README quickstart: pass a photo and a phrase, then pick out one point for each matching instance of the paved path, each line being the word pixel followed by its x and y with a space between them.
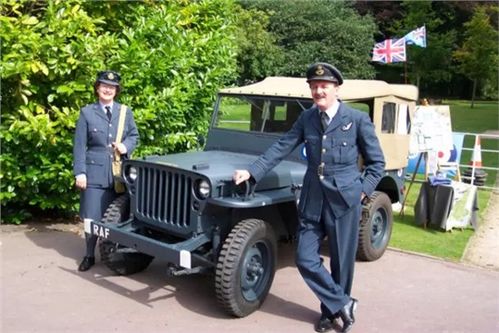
pixel 483 247
pixel 42 292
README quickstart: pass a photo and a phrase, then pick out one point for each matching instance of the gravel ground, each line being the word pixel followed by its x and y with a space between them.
pixel 483 247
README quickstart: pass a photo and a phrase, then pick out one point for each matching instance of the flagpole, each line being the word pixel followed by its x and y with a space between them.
pixel 405 70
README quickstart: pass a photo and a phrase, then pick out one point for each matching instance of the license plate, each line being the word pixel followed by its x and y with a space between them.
pixel 92 228
pixel 100 231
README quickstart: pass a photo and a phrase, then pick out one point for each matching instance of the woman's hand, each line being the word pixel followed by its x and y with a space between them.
pixel 81 182
pixel 120 148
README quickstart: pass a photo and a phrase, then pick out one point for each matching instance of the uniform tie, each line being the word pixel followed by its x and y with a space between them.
pixel 324 120
pixel 108 112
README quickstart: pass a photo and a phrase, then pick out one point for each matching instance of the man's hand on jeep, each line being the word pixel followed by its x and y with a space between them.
pixel 240 176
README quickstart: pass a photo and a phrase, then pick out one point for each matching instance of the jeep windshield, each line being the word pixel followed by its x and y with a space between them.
pixel 263 114
pixel 259 114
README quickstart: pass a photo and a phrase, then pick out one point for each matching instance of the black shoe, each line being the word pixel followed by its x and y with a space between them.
pixel 347 315
pixel 86 263
pixel 325 324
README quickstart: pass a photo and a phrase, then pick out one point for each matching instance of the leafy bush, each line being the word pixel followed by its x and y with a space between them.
pixel 172 57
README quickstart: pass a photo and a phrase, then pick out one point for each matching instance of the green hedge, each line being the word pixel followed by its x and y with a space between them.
pixel 172 57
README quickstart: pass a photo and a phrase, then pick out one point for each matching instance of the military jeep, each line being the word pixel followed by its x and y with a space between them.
pixel 185 209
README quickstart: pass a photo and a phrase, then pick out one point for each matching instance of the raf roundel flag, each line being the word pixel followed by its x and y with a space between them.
pixel 390 50
pixel 417 37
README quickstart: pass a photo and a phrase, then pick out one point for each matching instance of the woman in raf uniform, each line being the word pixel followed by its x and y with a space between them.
pixel 93 151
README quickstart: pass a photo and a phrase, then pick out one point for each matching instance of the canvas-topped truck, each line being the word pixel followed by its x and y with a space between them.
pixel 185 209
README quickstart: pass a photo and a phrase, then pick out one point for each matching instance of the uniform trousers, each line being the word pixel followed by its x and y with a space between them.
pixel 93 205
pixel 332 288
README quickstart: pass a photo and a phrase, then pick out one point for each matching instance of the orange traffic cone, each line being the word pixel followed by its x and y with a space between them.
pixel 474 174
pixel 476 159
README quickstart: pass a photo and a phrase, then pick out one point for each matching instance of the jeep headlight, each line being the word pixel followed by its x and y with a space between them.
pixel 131 174
pixel 203 189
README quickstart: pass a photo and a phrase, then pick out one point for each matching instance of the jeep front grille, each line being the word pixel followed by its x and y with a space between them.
pixel 164 196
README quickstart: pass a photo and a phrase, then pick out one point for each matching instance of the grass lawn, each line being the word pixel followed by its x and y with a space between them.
pixel 406 234
pixel 482 118
pixel 409 236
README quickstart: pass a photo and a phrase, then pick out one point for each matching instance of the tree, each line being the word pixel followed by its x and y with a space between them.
pixel 172 56
pixel 383 12
pixel 320 30
pixel 478 55
pixel 433 68
pixel 49 52
pixel 258 55
pixel 430 64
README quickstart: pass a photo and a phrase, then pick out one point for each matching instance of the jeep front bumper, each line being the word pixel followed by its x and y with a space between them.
pixel 180 254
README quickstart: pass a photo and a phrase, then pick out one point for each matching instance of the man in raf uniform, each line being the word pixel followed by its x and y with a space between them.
pixel 334 188
pixel 93 151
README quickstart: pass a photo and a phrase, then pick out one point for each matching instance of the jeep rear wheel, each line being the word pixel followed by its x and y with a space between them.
pixel 120 259
pixel 246 267
pixel 375 227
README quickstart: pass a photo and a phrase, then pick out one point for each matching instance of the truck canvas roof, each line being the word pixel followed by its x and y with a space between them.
pixel 351 90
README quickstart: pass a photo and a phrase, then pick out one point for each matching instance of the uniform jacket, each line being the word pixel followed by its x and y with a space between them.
pixel 92 150
pixel 336 152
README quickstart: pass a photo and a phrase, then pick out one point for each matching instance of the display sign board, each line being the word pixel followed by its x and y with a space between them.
pixel 464 206
pixel 432 134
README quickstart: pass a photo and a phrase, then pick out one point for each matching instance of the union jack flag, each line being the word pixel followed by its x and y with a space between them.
pixel 417 37
pixel 390 50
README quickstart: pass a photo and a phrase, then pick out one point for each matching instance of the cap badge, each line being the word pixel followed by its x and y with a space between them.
pixel 319 70
pixel 110 76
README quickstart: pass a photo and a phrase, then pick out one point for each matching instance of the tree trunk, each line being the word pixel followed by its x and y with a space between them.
pixel 473 94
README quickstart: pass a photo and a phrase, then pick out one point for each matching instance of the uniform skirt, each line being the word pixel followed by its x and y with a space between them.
pixel 94 202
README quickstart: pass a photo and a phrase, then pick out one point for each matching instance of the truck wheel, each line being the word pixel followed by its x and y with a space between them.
pixel 120 259
pixel 375 227
pixel 246 267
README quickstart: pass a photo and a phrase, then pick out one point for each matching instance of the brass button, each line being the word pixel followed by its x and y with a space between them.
pixel 323 150
pixel 344 143
pixel 324 137
pixel 321 177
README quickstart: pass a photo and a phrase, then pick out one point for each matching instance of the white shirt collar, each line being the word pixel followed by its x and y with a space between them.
pixel 102 106
pixel 332 110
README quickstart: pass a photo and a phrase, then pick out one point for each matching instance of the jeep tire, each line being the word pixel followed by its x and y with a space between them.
pixel 120 259
pixel 375 227
pixel 246 267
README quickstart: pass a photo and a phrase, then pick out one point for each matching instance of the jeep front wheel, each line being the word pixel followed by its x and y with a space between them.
pixel 375 227
pixel 120 259
pixel 246 267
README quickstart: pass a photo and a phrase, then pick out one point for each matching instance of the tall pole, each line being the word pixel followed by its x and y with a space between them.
pixel 405 71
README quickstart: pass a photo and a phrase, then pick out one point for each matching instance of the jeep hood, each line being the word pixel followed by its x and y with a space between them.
pixel 220 165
